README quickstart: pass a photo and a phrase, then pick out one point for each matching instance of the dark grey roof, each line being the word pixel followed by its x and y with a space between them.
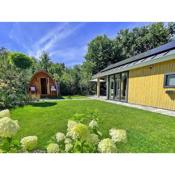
pixel 156 58
pixel 149 53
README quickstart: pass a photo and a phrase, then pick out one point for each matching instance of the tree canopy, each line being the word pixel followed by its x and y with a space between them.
pixel 45 61
pixel 21 60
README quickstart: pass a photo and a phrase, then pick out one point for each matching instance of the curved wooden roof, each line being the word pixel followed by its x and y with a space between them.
pixel 42 71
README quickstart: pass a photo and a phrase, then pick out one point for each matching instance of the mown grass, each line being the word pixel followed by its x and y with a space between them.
pixel 74 97
pixel 147 131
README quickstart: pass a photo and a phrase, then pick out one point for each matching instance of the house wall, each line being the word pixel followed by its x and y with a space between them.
pixel 146 86
pixel 36 82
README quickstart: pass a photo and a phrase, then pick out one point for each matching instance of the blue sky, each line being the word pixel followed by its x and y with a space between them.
pixel 65 42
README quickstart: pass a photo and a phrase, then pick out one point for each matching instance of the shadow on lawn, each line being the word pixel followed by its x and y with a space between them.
pixel 43 104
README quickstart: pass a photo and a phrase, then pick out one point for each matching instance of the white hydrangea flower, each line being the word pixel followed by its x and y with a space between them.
pixel 4 113
pixel 71 124
pixel 93 124
pixel 68 147
pixel 8 127
pixel 79 131
pixel 53 148
pixel 29 143
pixel 67 140
pixel 93 139
pixel 107 146
pixel 60 137
pixel 118 135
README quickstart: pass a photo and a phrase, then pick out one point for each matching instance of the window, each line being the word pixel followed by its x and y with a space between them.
pixel 169 80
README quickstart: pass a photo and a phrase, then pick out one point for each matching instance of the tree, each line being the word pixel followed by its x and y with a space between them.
pixel 45 61
pixel 100 52
pixel 57 70
pixel 139 40
pixel 35 65
pixel 70 81
pixel 21 60
pixel 86 87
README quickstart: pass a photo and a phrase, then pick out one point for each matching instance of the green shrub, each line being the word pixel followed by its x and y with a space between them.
pixel 13 84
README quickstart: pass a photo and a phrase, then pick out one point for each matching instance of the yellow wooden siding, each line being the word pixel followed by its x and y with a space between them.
pixel 146 86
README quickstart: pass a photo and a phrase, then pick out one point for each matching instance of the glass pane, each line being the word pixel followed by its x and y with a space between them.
pixel 124 84
pixel 117 86
pixel 171 80
pixel 111 86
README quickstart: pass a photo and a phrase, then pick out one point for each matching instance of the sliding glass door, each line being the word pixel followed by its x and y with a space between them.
pixel 118 86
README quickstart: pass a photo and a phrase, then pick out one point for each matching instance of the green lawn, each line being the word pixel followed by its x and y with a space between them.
pixel 74 97
pixel 147 132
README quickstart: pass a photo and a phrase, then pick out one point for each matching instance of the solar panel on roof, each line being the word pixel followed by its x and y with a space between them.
pixel 148 53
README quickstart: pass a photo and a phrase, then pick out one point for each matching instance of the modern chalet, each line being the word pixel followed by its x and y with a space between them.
pixel 146 79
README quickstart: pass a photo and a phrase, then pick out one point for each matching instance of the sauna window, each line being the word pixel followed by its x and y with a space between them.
pixel 169 80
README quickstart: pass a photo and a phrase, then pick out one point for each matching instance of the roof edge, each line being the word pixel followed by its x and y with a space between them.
pixel 110 72
pixel 163 48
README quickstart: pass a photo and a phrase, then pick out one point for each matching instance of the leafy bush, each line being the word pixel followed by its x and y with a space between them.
pixel 4 113
pixel 13 84
pixel 29 143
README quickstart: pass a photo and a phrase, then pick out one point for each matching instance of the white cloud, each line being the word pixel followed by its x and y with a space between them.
pixel 52 38
pixel 70 56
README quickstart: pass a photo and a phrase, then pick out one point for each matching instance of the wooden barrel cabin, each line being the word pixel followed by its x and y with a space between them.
pixel 43 85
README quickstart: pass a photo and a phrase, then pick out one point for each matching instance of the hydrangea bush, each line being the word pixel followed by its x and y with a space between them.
pixel 60 137
pixel 4 113
pixel 107 146
pixel 8 127
pixel 93 124
pixel 53 148
pixel 82 136
pixel 118 135
pixel 29 143
pixel 86 138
